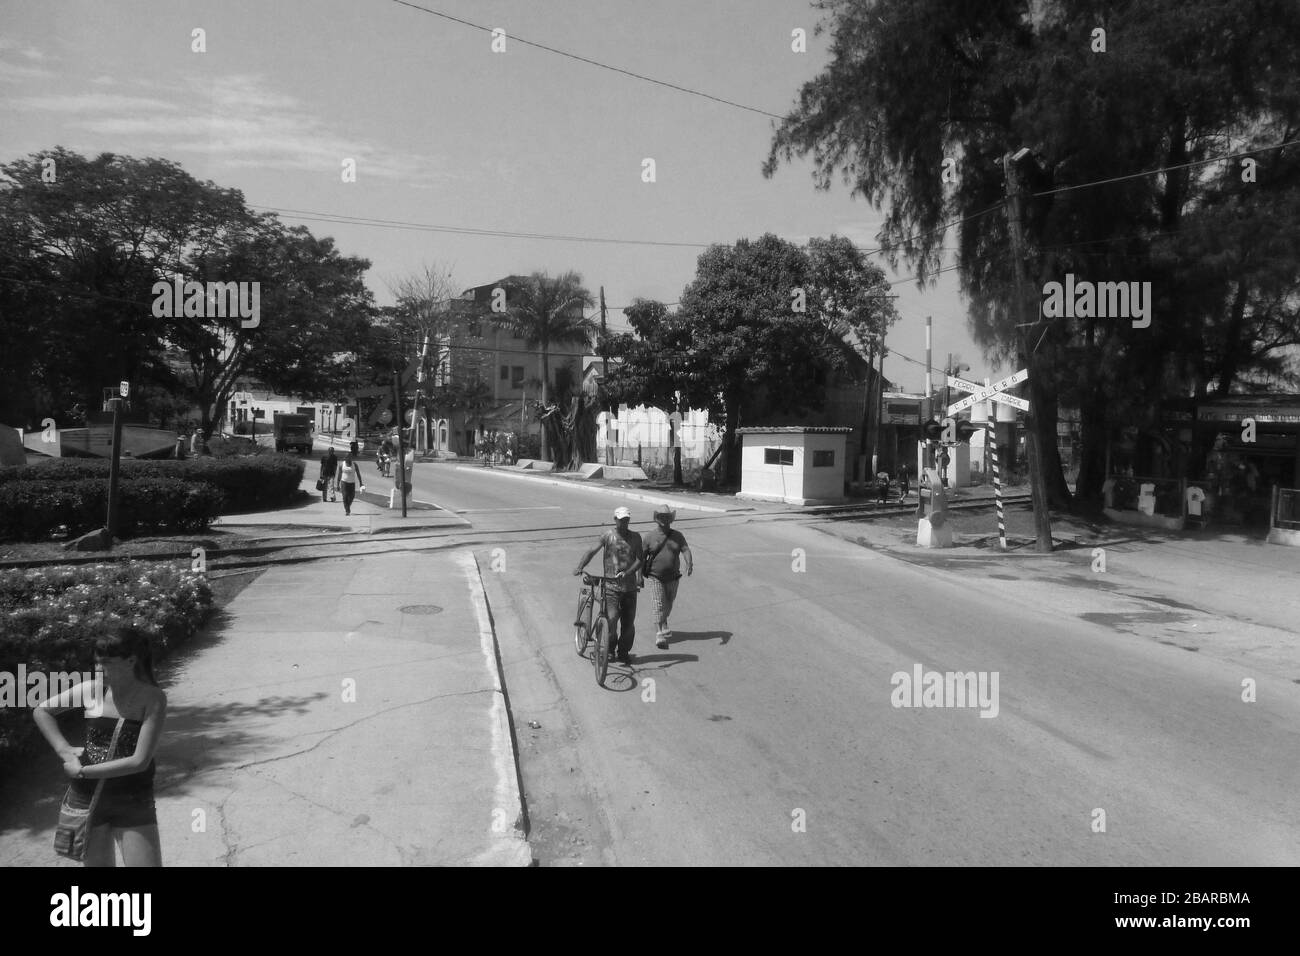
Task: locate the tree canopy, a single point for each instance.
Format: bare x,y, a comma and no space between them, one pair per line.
83,243
763,327
1165,84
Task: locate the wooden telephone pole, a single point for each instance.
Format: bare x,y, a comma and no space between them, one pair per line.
1037,480
604,379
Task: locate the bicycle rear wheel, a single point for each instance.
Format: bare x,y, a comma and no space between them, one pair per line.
582,624
600,656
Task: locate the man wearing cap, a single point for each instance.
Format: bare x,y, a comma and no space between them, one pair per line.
664,549
623,562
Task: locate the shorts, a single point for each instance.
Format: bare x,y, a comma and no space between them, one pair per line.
126,808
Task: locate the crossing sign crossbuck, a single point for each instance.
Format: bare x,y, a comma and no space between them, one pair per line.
995,392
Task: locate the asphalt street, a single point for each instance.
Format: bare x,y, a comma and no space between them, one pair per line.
768,733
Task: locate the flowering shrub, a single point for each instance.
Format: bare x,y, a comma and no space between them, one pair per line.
50,617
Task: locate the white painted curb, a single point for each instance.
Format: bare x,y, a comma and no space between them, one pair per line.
509,847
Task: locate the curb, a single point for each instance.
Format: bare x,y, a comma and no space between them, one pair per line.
513,848
636,496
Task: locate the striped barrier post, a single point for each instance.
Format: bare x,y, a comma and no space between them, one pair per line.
997,482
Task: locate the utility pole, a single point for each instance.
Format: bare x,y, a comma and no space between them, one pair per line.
880,411
1037,481
604,378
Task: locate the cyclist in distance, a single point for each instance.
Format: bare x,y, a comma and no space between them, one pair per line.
623,559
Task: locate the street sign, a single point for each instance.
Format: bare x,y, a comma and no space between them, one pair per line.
994,392
126,389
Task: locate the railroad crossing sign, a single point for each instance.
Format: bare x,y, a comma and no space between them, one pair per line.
995,392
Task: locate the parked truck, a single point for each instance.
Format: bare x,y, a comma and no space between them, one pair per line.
293,432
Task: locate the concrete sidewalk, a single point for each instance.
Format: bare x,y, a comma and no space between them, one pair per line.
370,513
337,713
1178,587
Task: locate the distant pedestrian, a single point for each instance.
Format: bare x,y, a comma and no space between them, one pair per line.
113,774
179,451
903,485
664,551
349,478
944,460
328,481
195,439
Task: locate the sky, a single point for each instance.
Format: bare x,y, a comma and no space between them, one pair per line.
447,133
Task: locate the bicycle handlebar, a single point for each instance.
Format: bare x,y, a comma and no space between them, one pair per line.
593,578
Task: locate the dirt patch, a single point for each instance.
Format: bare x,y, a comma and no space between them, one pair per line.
177,544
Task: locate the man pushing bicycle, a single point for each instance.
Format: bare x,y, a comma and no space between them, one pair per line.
623,558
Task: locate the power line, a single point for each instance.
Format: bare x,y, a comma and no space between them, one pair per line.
1166,169
583,59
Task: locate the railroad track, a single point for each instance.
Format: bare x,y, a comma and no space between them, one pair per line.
894,508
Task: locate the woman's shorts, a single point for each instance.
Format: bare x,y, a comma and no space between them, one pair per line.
126,809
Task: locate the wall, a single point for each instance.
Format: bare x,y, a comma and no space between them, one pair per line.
777,482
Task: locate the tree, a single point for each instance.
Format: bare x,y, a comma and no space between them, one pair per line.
756,332
425,316
919,87
547,311
315,309
82,253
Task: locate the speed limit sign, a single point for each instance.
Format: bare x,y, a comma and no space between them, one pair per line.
126,389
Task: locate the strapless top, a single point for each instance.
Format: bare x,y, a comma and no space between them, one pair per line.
99,734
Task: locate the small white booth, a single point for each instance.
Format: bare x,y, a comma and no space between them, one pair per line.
795,465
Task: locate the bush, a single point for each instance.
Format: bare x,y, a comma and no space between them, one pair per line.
34,510
49,619
250,482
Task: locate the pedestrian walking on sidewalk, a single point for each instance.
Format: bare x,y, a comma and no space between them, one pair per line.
329,470
623,554
903,486
349,478
664,551
113,774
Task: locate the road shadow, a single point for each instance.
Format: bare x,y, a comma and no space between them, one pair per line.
661,662
722,637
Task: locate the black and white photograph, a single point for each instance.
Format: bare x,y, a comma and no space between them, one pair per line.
676,433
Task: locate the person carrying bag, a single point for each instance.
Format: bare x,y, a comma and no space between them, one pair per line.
76,815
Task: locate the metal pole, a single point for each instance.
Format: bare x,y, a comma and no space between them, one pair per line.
991,421
401,451
927,412
114,470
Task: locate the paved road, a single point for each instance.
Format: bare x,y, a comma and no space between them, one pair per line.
766,735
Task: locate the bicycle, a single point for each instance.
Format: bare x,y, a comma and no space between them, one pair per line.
602,626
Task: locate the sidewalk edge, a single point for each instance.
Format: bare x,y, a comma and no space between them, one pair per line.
516,850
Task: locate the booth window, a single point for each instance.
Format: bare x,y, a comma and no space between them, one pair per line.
778,456
824,458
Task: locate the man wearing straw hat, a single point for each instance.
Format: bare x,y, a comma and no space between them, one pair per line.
664,550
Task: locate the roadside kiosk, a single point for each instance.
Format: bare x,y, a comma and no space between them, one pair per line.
792,464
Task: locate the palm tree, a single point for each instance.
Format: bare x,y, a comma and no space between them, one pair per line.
547,311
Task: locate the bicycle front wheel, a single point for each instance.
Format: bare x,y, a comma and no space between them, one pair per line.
582,625
600,658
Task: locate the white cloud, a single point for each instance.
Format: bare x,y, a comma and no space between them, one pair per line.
237,122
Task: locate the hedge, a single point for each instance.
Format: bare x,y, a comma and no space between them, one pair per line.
34,510
252,483
50,617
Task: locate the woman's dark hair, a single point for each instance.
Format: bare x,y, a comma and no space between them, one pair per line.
128,641
331,453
